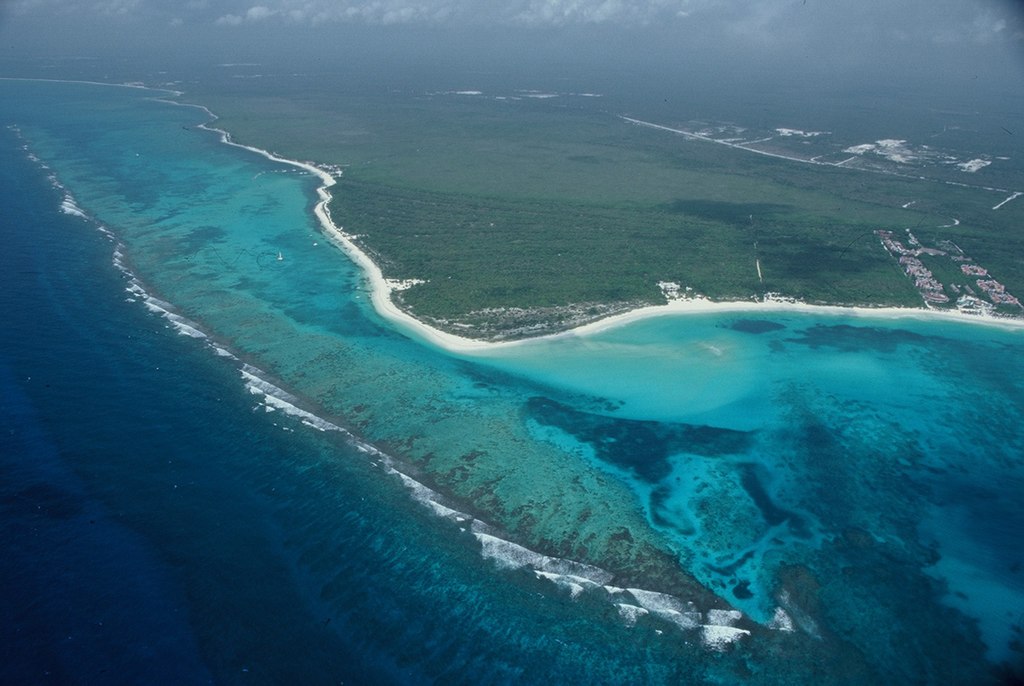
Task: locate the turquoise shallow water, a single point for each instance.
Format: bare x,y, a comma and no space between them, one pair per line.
813,425
860,475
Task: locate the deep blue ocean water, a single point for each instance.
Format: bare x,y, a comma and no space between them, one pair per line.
115,432
162,525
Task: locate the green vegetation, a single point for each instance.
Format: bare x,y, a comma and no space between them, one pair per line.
478,253
523,216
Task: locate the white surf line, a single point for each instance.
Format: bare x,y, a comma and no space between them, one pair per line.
1016,194
717,630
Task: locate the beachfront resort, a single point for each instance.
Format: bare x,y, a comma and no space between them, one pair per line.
985,296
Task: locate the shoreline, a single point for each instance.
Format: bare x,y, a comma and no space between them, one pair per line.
380,290
630,595
564,574
705,306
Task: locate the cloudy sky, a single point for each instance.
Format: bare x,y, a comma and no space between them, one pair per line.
882,36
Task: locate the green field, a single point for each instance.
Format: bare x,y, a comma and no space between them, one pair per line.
524,216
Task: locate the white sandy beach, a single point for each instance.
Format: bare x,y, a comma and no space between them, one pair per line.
381,290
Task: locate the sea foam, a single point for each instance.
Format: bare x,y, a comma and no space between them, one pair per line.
514,556
630,613
686,616
69,206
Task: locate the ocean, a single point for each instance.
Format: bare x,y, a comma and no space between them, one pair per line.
222,465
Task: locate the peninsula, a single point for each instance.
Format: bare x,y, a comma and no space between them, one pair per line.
508,217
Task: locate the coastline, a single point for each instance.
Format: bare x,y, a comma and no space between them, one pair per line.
704,306
381,290
567,576
710,625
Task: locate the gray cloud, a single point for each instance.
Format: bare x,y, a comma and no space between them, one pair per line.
817,36
765,22
466,12
762,21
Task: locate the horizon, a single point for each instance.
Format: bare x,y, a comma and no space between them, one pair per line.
977,47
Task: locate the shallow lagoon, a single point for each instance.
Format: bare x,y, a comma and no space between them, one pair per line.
861,474
771,435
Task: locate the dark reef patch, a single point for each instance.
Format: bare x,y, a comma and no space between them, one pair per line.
352,321
730,569
742,590
755,326
847,338
772,513
643,447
